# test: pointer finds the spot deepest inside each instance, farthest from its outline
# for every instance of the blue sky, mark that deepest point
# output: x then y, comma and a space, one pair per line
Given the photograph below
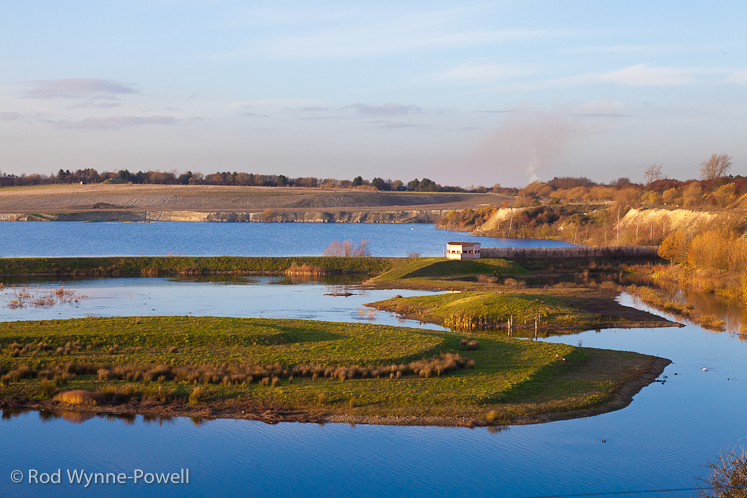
465, 94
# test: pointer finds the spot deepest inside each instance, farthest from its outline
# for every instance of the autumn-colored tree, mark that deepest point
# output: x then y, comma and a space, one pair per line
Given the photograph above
716, 166
693, 195
674, 247
725, 194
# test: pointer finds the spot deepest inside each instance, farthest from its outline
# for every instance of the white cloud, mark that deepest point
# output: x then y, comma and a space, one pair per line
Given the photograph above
115, 122
77, 89
9, 116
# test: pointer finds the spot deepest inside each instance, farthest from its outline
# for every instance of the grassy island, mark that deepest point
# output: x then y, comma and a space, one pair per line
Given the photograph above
488, 293
298, 370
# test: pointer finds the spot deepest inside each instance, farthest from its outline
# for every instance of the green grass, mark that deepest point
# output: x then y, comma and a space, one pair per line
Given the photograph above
430, 269
487, 310
510, 377
135, 265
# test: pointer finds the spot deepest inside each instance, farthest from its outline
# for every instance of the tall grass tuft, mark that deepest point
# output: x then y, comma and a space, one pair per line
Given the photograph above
78, 397
196, 395
46, 389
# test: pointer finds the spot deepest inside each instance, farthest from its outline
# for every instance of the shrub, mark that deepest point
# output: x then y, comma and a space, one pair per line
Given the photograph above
729, 477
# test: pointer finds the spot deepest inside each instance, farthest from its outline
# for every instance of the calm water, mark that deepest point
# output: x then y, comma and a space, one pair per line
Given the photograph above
49, 239
660, 441
243, 297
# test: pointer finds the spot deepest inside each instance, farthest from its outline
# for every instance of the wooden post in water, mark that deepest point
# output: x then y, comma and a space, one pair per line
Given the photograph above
536, 326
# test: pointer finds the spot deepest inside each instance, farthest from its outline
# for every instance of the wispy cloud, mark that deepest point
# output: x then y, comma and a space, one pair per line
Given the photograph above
9, 116
95, 104
78, 88
377, 31
601, 108
740, 77
644, 75
390, 109
478, 72
115, 122
395, 125
641, 75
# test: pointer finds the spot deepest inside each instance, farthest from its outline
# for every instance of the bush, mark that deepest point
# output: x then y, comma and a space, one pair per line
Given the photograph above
729, 477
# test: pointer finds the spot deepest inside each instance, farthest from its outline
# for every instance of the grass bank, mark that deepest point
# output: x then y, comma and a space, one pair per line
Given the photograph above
439, 272
193, 265
540, 311
308, 371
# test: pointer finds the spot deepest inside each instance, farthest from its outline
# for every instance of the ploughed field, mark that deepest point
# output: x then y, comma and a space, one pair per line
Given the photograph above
75, 198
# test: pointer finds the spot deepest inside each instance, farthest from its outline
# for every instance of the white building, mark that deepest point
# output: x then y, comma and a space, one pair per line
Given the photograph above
463, 250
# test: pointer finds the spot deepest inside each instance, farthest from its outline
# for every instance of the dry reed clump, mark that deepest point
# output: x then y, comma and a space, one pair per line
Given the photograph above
469, 345
514, 284
607, 285
17, 374
196, 395
78, 397
369, 314
46, 389
14, 350
493, 417
566, 285
190, 271
487, 279
471, 321
305, 270
42, 298
151, 272
444, 363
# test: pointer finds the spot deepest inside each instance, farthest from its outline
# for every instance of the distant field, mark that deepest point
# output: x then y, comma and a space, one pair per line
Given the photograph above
75, 198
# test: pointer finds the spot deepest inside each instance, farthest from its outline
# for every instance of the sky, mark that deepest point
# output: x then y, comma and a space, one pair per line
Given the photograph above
471, 93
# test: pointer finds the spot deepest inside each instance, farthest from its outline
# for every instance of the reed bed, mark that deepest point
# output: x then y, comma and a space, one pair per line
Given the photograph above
242, 373
305, 270
40, 298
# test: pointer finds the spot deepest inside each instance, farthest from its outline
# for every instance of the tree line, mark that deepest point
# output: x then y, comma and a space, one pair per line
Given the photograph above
91, 176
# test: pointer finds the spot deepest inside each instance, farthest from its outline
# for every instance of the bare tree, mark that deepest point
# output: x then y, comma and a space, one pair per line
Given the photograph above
347, 248
716, 166
652, 173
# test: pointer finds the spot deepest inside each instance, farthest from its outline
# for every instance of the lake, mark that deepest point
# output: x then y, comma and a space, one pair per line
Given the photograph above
20, 239
659, 442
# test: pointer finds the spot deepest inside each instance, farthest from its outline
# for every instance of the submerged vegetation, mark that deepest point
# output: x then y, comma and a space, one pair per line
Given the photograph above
300, 367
